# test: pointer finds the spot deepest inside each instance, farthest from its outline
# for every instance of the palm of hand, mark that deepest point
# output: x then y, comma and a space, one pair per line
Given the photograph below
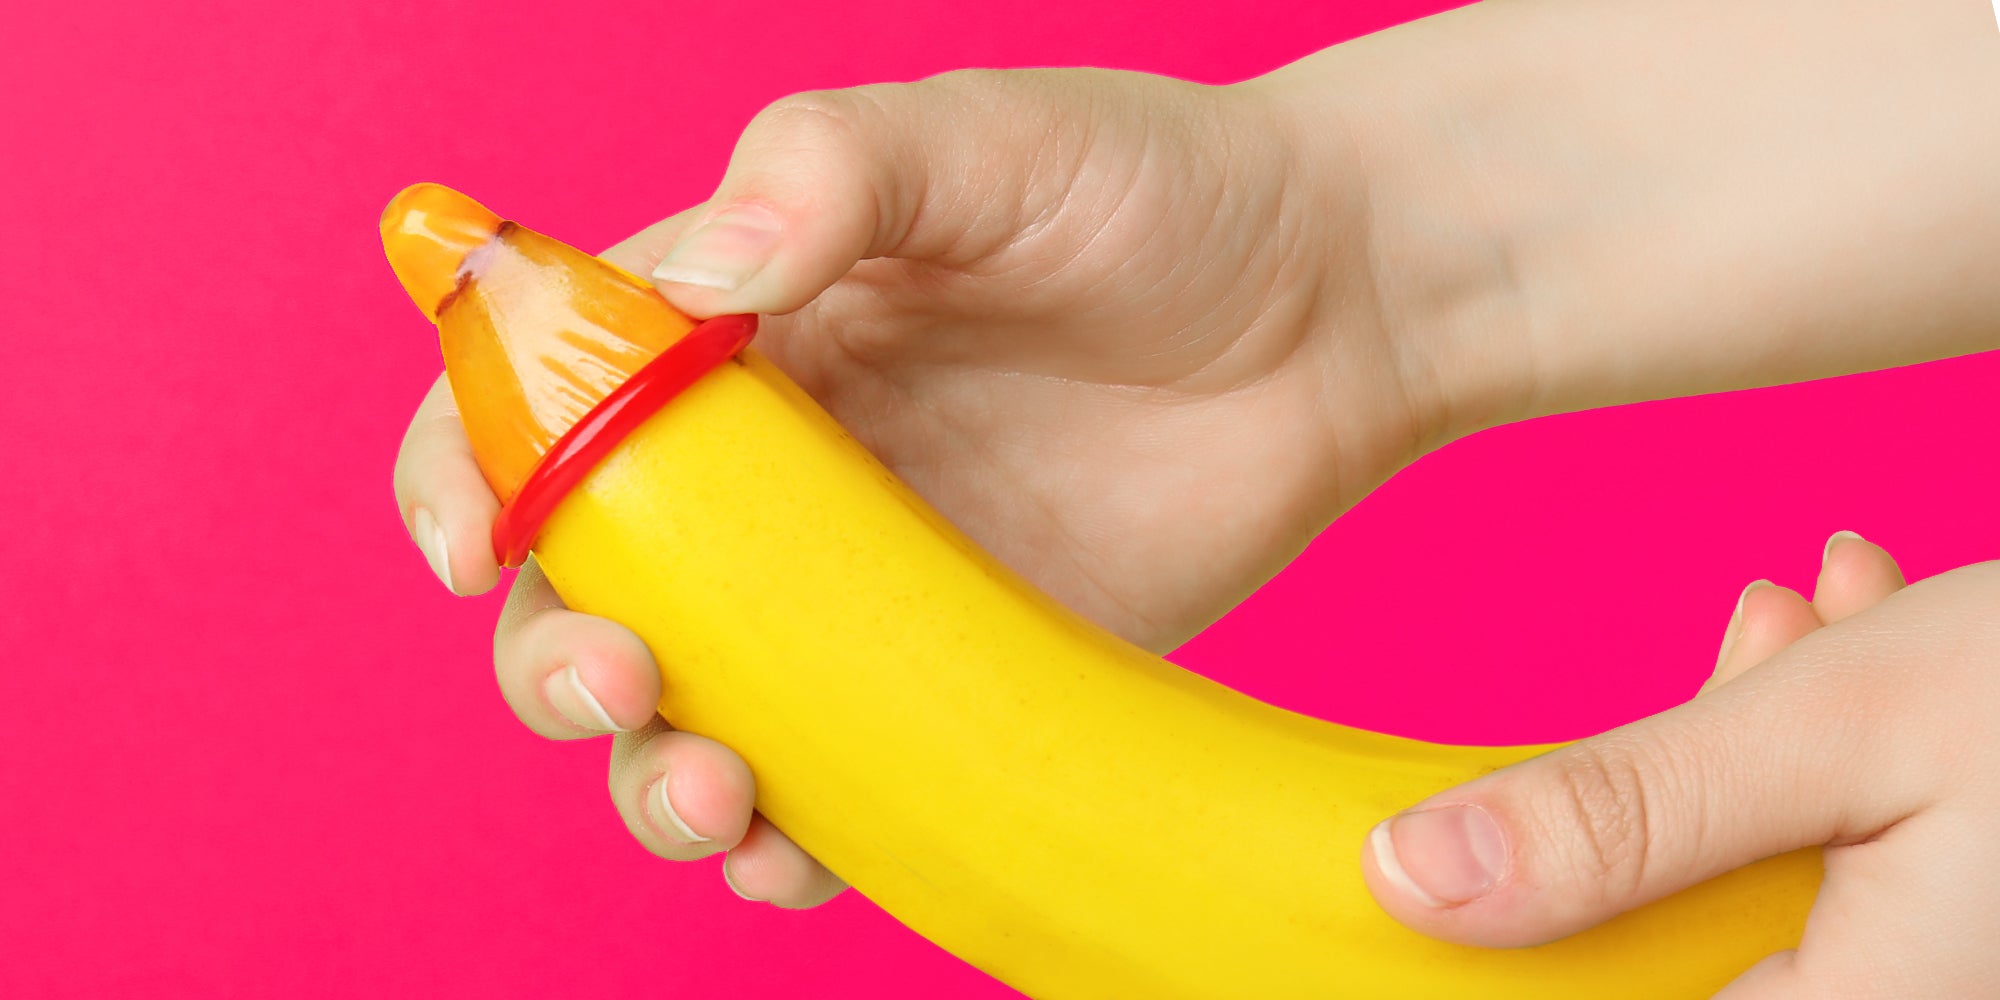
1123, 389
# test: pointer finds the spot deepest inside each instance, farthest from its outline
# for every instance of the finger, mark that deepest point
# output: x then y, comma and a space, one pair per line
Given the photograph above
566, 674
1567, 840
641, 251
768, 867
681, 795
1854, 575
820, 181
1768, 618
447, 507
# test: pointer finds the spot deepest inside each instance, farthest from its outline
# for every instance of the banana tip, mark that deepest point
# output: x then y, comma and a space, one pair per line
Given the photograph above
427, 231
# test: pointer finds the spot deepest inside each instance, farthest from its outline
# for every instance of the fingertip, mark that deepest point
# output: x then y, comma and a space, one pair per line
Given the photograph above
713, 265
639, 252
697, 301
468, 565
817, 182
434, 544
1835, 541
1442, 856
601, 693
708, 788
769, 867
569, 675
1444, 871
618, 668
448, 508
822, 889
1773, 617
666, 817
453, 543
792, 277
729, 879
1855, 574
719, 258
1768, 618
683, 796
1731, 634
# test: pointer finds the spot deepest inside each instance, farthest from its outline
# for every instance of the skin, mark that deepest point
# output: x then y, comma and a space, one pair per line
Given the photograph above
1847, 720
1080, 310
1031, 357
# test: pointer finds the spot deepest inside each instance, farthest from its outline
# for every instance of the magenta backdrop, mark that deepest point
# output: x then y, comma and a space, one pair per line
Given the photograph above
250, 746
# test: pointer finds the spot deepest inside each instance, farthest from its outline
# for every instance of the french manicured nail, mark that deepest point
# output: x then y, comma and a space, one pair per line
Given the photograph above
1735, 629
1441, 857
430, 538
725, 252
573, 701
671, 821
730, 881
1836, 539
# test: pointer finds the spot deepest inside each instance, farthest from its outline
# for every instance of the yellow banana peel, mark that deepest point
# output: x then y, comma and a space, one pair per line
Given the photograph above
1070, 813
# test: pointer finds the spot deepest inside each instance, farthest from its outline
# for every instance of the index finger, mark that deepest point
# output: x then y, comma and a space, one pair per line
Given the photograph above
447, 507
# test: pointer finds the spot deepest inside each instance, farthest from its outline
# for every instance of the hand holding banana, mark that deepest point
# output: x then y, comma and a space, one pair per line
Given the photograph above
901, 696
1845, 720
1086, 400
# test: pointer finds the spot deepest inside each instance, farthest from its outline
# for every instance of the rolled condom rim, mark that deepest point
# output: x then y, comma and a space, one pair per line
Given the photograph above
583, 446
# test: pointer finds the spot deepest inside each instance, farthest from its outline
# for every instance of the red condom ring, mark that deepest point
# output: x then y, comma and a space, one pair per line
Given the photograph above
578, 451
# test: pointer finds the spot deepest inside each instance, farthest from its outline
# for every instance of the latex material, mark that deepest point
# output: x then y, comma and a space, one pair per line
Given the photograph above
428, 231
1068, 812
535, 333
601, 430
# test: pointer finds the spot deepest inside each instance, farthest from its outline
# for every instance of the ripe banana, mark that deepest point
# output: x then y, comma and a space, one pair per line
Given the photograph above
1070, 813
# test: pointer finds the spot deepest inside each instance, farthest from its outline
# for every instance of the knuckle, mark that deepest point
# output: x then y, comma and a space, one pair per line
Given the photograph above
813, 120
981, 87
1604, 790
519, 635
623, 780
635, 755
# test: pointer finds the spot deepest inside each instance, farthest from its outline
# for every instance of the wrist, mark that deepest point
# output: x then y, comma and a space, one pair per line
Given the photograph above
1577, 205
1417, 235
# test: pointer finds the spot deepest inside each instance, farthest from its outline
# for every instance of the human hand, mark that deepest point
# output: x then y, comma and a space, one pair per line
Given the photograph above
1861, 721
1102, 321
1679, 205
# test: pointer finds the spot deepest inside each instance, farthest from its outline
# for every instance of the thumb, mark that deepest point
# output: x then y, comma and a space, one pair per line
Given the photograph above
1567, 840
821, 180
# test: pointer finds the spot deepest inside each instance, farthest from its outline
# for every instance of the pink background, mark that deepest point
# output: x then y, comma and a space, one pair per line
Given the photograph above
250, 747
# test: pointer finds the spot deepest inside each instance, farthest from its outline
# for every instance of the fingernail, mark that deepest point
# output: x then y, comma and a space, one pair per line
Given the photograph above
430, 539
665, 816
1836, 539
573, 701
1736, 622
1441, 857
730, 881
725, 252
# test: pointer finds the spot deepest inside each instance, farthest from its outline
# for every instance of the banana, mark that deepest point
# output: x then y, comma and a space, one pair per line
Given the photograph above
1071, 814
